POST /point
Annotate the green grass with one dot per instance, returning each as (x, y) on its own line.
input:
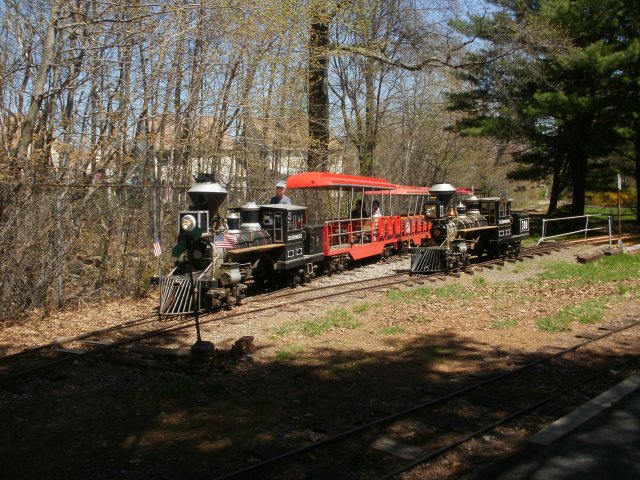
(590, 311)
(454, 291)
(604, 270)
(446, 292)
(339, 318)
(361, 307)
(531, 240)
(288, 353)
(479, 282)
(391, 330)
(626, 214)
(504, 323)
(627, 291)
(410, 295)
(282, 330)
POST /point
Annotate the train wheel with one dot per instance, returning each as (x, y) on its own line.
(263, 268)
(327, 268)
(294, 279)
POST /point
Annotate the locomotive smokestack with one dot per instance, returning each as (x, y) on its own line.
(207, 194)
(443, 192)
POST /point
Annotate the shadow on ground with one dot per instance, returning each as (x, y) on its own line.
(101, 421)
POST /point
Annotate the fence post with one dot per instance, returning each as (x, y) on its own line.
(586, 226)
(544, 226)
(610, 223)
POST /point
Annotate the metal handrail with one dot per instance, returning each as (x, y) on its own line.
(586, 228)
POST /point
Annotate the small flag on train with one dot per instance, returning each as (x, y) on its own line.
(157, 249)
(225, 240)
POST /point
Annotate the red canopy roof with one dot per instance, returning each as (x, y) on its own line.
(329, 181)
(400, 190)
(410, 190)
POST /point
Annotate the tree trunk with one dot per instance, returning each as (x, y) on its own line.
(578, 164)
(48, 51)
(318, 93)
(636, 145)
(556, 187)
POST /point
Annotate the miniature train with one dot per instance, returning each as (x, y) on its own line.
(219, 256)
(473, 228)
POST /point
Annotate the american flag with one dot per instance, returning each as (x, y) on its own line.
(157, 249)
(225, 240)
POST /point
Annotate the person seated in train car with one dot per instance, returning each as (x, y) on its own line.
(375, 209)
(280, 197)
(358, 211)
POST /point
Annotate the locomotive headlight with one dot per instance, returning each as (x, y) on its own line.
(188, 223)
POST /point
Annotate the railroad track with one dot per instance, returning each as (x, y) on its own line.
(414, 437)
(103, 343)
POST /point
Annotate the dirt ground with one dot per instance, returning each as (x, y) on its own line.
(383, 350)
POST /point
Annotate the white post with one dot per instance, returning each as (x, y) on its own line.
(610, 222)
(619, 209)
(586, 226)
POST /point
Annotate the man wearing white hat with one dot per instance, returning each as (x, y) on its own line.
(280, 197)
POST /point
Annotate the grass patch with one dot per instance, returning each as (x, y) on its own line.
(361, 307)
(531, 240)
(628, 291)
(479, 281)
(607, 269)
(391, 330)
(288, 354)
(626, 214)
(282, 330)
(454, 291)
(590, 311)
(410, 295)
(338, 318)
(437, 354)
(504, 323)
(446, 292)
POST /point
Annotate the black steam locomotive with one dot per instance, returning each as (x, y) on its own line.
(218, 256)
(473, 228)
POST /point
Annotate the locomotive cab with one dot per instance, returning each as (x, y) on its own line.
(286, 225)
(509, 227)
